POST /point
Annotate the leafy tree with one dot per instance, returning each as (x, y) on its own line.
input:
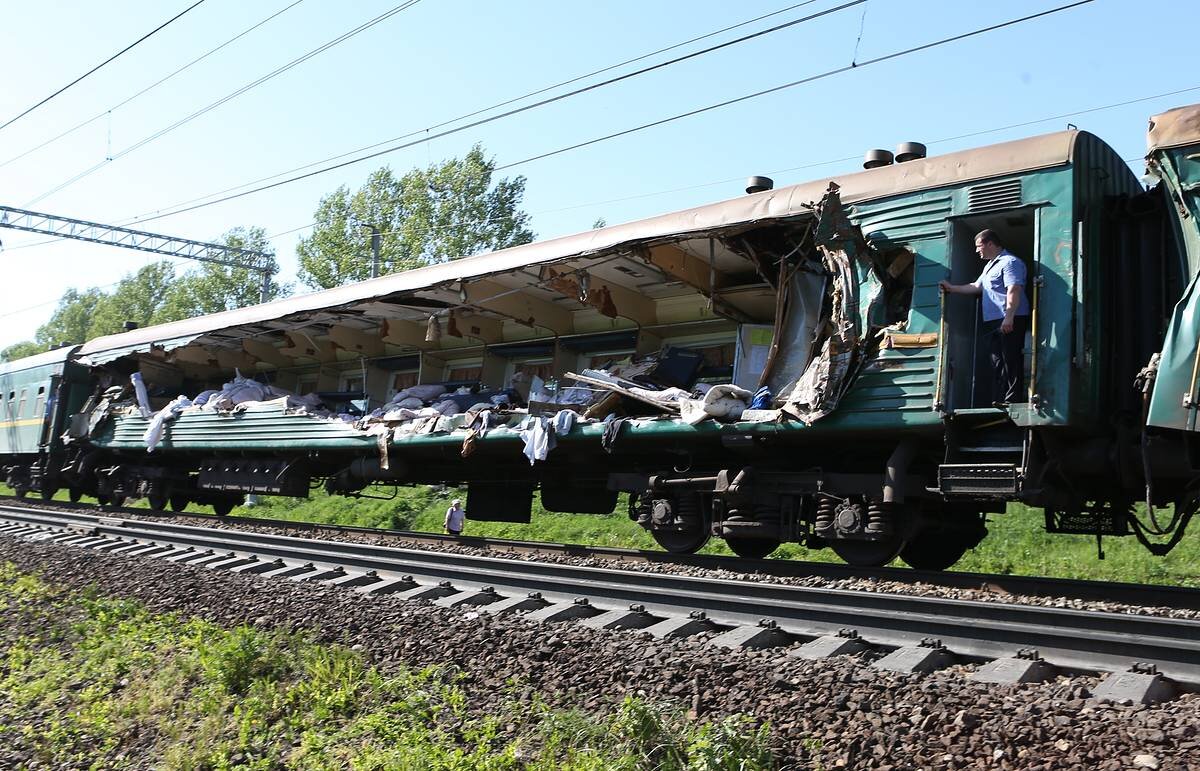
(20, 350)
(431, 215)
(154, 294)
(72, 319)
(211, 288)
(138, 298)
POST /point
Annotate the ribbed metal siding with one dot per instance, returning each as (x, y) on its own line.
(259, 428)
(902, 380)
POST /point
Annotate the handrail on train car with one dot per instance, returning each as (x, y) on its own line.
(1033, 341)
(942, 344)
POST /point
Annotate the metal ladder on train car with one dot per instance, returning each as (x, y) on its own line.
(985, 455)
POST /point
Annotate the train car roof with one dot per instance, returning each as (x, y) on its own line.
(722, 218)
(56, 356)
(1180, 126)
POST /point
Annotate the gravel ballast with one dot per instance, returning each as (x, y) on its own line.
(834, 713)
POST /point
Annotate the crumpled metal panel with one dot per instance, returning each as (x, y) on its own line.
(1174, 128)
(98, 356)
(849, 261)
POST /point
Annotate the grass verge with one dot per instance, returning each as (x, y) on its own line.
(87, 681)
(1017, 543)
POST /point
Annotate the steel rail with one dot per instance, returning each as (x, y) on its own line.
(1070, 639)
(1158, 595)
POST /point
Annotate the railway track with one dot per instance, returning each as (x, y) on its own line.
(909, 633)
(1158, 595)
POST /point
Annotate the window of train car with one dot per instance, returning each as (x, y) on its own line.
(21, 403)
(543, 368)
(39, 406)
(402, 380)
(464, 370)
(306, 384)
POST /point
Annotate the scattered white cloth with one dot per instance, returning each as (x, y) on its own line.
(158, 424)
(723, 402)
(139, 387)
(564, 421)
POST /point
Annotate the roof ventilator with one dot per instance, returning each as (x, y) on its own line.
(994, 195)
(876, 158)
(909, 151)
(759, 184)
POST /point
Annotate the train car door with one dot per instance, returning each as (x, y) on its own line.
(969, 379)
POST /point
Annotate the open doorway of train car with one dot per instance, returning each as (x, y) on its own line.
(970, 376)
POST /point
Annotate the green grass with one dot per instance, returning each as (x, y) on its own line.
(1016, 544)
(103, 683)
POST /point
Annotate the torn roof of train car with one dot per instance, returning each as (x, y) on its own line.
(1180, 126)
(508, 268)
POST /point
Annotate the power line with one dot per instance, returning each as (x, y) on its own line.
(642, 127)
(793, 84)
(489, 108)
(232, 95)
(153, 85)
(427, 137)
(942, 140)
(101, 64)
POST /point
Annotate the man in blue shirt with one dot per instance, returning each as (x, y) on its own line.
(1001, 288)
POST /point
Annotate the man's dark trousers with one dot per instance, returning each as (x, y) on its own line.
(1008, 359)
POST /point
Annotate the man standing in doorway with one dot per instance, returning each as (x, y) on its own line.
(1005, 308)
(455, 518)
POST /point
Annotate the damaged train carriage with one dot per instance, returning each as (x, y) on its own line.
(779, 367)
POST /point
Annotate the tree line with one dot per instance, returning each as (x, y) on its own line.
(428, 215)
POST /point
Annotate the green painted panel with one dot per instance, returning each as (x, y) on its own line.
(26, 390)
(1173, 403)
(263, 427)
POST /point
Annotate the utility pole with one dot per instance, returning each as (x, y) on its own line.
(97, 233)
(376, 240)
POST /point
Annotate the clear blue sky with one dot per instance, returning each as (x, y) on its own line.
(442, 58)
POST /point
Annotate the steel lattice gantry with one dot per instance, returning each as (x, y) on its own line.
(112, 235)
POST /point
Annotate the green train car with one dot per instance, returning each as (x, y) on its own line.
(882, 436)
(37, 394)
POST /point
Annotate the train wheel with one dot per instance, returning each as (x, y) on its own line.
(74, 494)
(20, 492)
(117, 500)
(752, 548)
(158, 501)
(928, 551)
(222, 507)
(681, 541)
(867, 554)
(48, 493)
(179, 502)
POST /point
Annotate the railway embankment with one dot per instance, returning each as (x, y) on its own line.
(828, 713)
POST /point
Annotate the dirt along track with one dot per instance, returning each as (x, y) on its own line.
(835, 712)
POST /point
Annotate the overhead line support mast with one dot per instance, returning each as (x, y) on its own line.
(112, 235)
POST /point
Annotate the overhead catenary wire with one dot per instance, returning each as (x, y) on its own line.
(424, 131)
(794, 83)
(814, 164)
(635, 129)
(127, 48)
(150, 87)
(228, 97)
